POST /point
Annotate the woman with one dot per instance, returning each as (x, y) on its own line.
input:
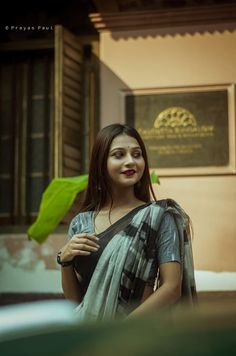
(125, 253)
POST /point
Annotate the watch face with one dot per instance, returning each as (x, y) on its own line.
(59, 258)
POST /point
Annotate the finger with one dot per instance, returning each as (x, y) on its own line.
(83, 241)
(82, 253)
(90, 236)
(78, 236)
(85, 247)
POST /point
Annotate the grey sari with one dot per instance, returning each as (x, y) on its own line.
(127, 260)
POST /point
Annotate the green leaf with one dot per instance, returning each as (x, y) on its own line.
(154, 178)
(56, 201)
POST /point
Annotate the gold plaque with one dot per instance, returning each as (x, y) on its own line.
(185, 130)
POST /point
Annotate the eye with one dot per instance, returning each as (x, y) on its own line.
(118, 154)
(137, 154)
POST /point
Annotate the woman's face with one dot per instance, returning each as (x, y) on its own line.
(125, 163)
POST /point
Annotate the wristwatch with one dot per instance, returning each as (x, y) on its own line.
(63, 264)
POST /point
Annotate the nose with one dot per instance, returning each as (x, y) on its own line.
(129, 159)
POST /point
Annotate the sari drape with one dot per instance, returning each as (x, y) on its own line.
(127, 260)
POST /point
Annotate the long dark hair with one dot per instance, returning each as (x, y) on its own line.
(99, 187)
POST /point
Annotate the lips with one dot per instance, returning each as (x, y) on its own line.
(129, 172)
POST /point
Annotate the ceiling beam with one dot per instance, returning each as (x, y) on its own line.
(164, 18)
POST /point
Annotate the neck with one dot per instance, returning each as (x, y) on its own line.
(123, 198)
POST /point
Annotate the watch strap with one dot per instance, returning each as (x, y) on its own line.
(65, 263)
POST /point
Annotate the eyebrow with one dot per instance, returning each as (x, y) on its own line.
(122, 148)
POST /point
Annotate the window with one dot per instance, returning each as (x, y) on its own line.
(26, 86)
(42, 133)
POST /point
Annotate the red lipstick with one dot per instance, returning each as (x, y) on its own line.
(129, 172)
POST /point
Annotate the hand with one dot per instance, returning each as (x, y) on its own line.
(80, 244)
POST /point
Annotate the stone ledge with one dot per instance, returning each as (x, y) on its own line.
(16, 298)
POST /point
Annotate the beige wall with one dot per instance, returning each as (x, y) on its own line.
(147, 59)
(26, 266)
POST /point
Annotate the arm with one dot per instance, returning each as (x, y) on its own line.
(70, 284)
(168, 293)
(170, 269)
(80, 244)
